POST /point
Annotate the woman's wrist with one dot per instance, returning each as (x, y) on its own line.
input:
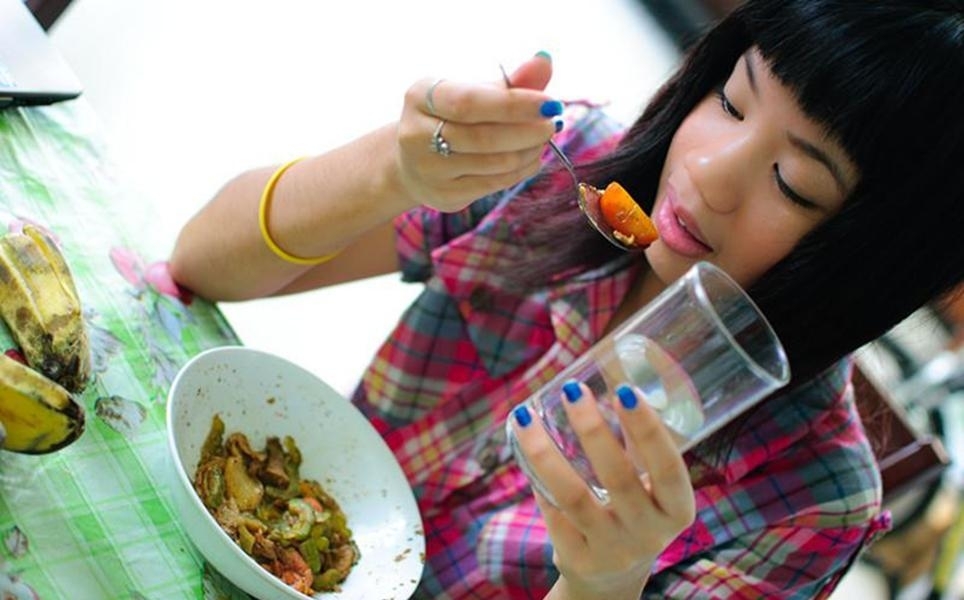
(386, 179)
(564, 589)
(344, 193)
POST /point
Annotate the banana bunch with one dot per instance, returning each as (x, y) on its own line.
(39, 303)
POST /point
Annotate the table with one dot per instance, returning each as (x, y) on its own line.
(95, 520)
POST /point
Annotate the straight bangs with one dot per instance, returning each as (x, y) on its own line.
(868, 72)
(886, 79)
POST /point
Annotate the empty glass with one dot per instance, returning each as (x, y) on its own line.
(699, 354)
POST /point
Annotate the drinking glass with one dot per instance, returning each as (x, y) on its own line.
(699, 354)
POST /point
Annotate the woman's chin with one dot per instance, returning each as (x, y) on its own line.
(666, 265)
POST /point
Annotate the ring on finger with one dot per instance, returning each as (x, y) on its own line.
(429, 102)
(439, 144)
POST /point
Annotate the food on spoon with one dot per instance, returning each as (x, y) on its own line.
(288, 525)
(630, 224)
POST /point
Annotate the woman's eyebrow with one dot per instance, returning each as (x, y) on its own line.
(821, 157)
(798, 142)
(750, 75)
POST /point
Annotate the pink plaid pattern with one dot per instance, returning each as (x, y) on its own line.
(783, 516)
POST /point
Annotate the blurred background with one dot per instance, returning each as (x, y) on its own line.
(190, 93)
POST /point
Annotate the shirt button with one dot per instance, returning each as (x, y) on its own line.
(481, 299)
(492, 450)
(488, 458)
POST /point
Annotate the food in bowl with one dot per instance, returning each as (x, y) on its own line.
(263, 394)
(287, 524)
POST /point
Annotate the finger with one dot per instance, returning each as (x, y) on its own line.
(460, 165)
(418, 138)
(477, 186)
(430, 98)
(533, 74)
(571, 494)
(464, 169)
(607, 455)
(487, 184)
(566, 538)
(475, 103)
(656, 451)
(493, 138)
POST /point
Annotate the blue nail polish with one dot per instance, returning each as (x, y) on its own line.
(551, 108)
(572, 391)
(522, 416)
(558, 123)
(544, 55)
(626, 397)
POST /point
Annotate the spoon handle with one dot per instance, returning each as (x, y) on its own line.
(555, 149)
(564, 160)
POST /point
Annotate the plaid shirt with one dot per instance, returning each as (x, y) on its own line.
(795, 502)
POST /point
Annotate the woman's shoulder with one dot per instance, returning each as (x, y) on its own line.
(826, 468)
(805, 450)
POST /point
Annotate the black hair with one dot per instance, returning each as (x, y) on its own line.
(886, 79)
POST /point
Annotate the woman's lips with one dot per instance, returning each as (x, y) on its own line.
(678, 230)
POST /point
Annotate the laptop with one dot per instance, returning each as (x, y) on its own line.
(32, 71)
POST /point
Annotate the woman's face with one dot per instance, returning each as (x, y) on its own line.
(747, 175)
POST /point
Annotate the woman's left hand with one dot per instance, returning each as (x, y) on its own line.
(607, 551)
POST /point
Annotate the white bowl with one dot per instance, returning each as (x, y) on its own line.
(261, 395)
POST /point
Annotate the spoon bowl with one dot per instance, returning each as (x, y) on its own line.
(589, 205)
(588, 195)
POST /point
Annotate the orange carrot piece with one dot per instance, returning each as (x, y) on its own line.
(626, 217)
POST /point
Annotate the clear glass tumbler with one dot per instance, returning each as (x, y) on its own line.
(700, 354)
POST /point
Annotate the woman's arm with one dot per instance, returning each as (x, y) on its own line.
(334, 202)
(343, 201)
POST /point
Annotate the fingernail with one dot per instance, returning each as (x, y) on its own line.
(544, 55)
(522, 416)
(551, 108)
(572, 391)
(558, 123)
(626, 396)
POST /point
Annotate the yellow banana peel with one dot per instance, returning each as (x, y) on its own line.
(37, 414)
(40, 305)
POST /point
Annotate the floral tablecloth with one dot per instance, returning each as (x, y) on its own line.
(95, 521)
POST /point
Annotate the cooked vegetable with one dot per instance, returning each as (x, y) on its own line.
(289, 525)
(630, 224)
(246, 491)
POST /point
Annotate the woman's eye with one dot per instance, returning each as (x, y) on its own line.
(728, 107)
(787, 191)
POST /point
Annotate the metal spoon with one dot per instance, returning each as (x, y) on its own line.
(588, 195)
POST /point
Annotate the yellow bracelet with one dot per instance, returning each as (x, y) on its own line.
(263, 208)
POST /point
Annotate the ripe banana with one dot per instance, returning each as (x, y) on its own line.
(39, 415)
(39, 302)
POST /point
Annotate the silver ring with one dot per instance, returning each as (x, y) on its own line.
(428, 97)
(439, 145)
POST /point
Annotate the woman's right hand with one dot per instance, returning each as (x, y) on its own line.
(345, 199)
(496, 136)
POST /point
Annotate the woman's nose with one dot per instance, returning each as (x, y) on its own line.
(721, 170)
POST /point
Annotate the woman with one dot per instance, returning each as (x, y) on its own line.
(810, 148)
